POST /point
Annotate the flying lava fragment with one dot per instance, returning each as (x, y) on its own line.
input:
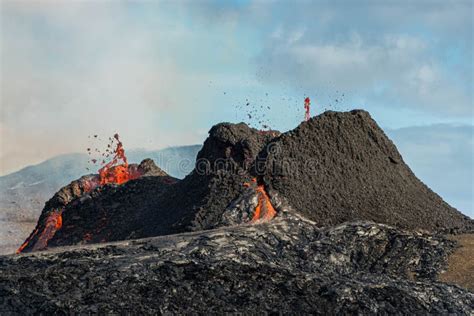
(307, 104)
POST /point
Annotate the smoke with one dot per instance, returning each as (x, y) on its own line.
(156, 71)
(72, 69)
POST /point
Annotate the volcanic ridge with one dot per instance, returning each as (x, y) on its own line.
(326, 218)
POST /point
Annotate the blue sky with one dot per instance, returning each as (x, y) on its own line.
(162, 72)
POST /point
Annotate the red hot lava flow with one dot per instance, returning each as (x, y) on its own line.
(52, 225)
(264, 211)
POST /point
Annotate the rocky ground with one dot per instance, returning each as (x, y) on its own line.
(285, 266)
(354, 232)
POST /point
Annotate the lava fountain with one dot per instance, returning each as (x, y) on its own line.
(117, 171)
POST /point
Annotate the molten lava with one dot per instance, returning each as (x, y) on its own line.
(307, 104)
(264, 211)
(54, 222)
(27, 241)
(87, 237)
(114, 173)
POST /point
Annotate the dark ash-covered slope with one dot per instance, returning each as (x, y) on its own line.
(341, 166)
(285, 266)
(156, 204)
(83, 211)
(222, 168)
(334, 168)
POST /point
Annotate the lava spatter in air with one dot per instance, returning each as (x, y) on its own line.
(113, 172)
(307, 108)
(117, 171)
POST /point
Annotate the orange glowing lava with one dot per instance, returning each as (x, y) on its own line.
(264, 211)
(307, 105)
(113, 172)
(27, 241)
(54, 222)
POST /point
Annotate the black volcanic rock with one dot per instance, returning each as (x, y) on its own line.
(147, 168)
(334, 168)
(78, 188)
(235, 144)
(286, 266)
(222, 168)
(157, 204)
(117, 213)
(88, 211)
(341, 167)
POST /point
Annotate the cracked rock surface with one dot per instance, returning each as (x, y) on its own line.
(283, 266)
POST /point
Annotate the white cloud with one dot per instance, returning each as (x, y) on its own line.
(401, 62)
(295, 36)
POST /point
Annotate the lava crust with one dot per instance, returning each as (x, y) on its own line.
(283, 266)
